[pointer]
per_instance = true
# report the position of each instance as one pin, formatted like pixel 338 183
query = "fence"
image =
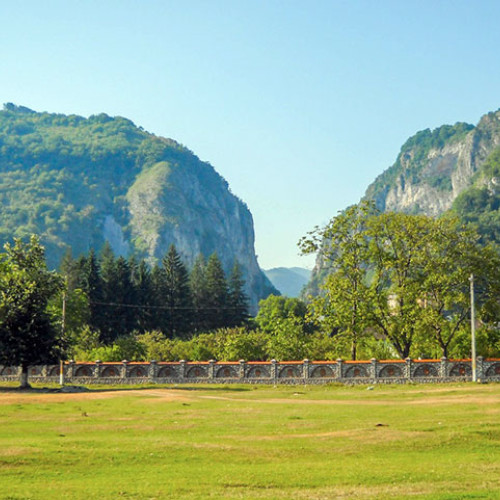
pixel 263 372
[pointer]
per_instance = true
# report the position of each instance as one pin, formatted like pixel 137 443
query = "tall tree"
pixel 27 335
pixel 177 295
pixel 199 293
pixel 344 304
pixel 217 293
pixel 237 299
pixel 92 286
pixel 144 294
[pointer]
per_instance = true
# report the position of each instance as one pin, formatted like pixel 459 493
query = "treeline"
pixel 116 297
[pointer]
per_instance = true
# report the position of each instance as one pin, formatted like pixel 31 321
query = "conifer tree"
pixel 217 294
pixel 199 293
pixel 92 285
pixel 177 294
pixel 237 300
pixel 144 296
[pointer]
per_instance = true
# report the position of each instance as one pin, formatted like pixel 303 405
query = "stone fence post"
pixel 70 370
pixel 340 368
pixel 443 367
pixel 152 370
pixel 123 369
pixel 242 368
pixel 211 369
pixel 182 369
pixel 480 368
pixel 305 370
pixel 274 370
pixel 408 368
pixel 97 369
pixel 373 368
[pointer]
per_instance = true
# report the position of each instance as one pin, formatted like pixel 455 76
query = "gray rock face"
pixel 198 214
pixel 427 179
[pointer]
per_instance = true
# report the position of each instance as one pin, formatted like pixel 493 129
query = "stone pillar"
pixel 97 369
pixel 274 370
pixel 443 367
pixel 340 368
pixel 182 369
pixel 373 368
pixel 152 370
pixel 123 369
pixel 70 370
pixel 211 369
pixel 305 370
pixel 408 368
pixel 480 369
pixel 242 369
pixel 44 371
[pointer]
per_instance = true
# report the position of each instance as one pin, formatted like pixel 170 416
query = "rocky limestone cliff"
pixel 433 168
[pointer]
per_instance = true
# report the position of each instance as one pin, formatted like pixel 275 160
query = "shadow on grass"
pixel 69 389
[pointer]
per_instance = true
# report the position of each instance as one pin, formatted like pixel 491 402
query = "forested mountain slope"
pixel 453 168
pixel 78 182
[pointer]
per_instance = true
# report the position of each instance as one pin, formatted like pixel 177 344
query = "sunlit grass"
pixel 436 441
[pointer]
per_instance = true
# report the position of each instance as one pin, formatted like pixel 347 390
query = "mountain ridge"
pixel 78 182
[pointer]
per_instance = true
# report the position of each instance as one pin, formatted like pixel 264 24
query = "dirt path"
pixel 434 398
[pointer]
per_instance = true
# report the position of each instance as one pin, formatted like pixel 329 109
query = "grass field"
pixel 433 441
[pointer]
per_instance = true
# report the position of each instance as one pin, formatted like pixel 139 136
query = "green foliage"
pixel 27 335
pixel 479 205
pixel 402 278
pixel 58 173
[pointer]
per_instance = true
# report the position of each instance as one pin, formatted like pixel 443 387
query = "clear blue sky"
pixel 298 104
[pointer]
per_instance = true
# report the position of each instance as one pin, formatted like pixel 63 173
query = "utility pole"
pixel 473 328
pixel 63 331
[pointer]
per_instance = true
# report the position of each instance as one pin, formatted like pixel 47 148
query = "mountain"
pixel 453 168
pixel 78 182
pixel 288 280
pixel 434 167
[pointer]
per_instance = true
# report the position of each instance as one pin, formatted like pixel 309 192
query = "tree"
pixel 217 294
pixel 199 293
pixel 237 300
pixel 144 294
pixel 344 304
pixel 92 285
pixel 403 277
pixel 27 335
pixel 176 295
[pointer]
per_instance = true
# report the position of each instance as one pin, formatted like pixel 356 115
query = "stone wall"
pixel 263 372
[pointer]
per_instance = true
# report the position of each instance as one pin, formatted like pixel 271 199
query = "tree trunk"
pixel 23 379
pixel 354 350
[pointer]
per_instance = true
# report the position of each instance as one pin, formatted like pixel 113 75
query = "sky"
pixel 299 105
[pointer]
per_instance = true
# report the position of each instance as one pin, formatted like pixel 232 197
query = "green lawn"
pixel 434 441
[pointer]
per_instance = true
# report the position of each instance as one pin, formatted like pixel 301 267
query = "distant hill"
pixel 288 280
pixel 78 182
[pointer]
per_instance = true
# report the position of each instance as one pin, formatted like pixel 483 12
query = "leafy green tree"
pixel 344 304
pixel 27 335
pixel 275 308
pixel 403 277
